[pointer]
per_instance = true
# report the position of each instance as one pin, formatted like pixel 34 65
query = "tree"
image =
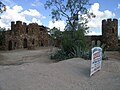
pixel 55 34
pixel 2 8
pixel 74 11
pixel 76 14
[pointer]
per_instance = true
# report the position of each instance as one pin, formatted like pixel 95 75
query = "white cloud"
pixel 34 20
pixel 118 6
pixel 93 33
pixel 17 13
pixel 58 24
pixel 31 12
pixel 36 3
pixel 17 8
pixel 100 15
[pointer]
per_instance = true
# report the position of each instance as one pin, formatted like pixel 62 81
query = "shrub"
pixel 87 54
pixel 72 45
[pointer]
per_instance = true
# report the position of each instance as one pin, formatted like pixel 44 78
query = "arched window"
pixel 113 30
pixel 27 30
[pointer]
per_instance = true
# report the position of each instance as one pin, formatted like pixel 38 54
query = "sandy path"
pixel 65 75
pixel 70 74
pixel 17 57
pixel 113 55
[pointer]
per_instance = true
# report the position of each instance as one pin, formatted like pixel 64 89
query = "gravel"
pixel 37 72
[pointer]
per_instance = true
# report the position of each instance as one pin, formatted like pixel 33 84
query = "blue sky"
pixel 33 11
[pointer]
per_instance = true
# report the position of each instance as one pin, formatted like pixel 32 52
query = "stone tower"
pixel 28 36
pixel 110 33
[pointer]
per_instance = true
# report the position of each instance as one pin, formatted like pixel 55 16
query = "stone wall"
pixel 26 36
pixel 109 34
pixel 33 35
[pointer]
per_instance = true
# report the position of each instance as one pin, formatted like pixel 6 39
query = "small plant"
pixel 59 55
pixel 77 52
pixel 87 54
pixel 72 45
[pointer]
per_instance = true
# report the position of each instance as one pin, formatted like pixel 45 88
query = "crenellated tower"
pixel 110 33
pixel 29 36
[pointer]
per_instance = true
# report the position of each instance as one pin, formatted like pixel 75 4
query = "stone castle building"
pixel 33 35
pixel 29 36
pixel 109 34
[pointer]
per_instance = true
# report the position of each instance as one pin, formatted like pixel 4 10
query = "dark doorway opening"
pixel 112 30
pixel 42 44
pixel 10 45
pixel 25 43
pixel 15 45
pixel 33 41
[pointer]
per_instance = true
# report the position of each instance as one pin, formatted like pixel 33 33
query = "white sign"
pixel 96 60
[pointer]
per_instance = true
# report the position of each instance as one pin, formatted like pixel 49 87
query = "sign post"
pixel 96 60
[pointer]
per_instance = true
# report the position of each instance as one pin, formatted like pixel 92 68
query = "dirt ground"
pixel 113 55
pixel 33 70
pixel 18 57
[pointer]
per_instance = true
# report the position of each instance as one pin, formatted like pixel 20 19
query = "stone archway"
pixel 25 45
pixel 10 45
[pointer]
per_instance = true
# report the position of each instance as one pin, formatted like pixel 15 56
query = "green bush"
pixel 119 49
pixel 87 54
pixel 59 55
pixel 72 45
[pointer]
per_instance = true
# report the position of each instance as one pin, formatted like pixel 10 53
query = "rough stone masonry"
pixel 33 35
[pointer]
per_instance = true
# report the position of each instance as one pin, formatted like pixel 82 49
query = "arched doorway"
pixel 42 43
pixel 25 43
pixel 10 45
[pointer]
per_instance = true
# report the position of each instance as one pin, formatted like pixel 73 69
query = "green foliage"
pixel 55 35
pixel 2 7
pixel 72 45
pixel 119 42
pixel 77 51
pixel 76 46
pixel 60 55
pixel 74 11
pixel 87 54
pixel 73 41
pixel 119 49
